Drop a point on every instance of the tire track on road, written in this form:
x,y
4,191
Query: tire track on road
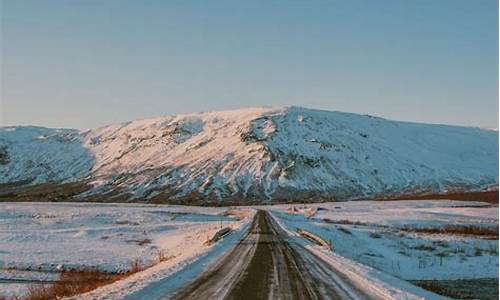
x,y
267,264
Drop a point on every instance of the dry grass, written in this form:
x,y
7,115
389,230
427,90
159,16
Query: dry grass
x,y
163,256
437,288
75,282
485,288
51,192
72,283
484,196
136,266
482,231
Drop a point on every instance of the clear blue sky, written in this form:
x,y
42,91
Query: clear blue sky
x,y
87,63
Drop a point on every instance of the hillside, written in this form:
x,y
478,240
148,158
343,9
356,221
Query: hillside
x,y
247,155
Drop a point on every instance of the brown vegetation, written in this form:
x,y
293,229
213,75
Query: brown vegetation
x,y
484,196
486,288
164,256
136,266
75,282
70,283
52,192
24,191
482,231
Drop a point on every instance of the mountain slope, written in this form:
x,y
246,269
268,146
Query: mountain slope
x,y
254,154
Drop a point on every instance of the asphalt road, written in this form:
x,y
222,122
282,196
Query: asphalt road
x,y
268,264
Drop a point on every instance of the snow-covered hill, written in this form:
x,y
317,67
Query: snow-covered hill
x,y
255,154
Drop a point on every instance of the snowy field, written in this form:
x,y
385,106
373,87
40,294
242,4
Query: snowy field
x,y
381,235
40,239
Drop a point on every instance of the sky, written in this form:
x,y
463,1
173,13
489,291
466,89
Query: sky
x,y
85,63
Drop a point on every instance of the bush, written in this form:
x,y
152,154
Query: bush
x,y
136,266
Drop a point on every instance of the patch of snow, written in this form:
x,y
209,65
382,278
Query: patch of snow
x,y
369,232
47,238
374,282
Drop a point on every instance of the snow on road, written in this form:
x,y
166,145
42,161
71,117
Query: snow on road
x,y
274,263
175,278
266,264
377,284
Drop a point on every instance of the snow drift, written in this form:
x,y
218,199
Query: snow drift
x,y
252,155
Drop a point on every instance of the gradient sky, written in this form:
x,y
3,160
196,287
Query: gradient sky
x,y
82,64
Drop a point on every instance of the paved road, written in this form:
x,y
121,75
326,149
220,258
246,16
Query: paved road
x,y
267,264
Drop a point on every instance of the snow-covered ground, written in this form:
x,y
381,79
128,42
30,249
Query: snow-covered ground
x,y
374,282
39,239
370,247
370,232
257,153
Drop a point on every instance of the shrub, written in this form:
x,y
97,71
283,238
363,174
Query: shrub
x,y
163,256
136,266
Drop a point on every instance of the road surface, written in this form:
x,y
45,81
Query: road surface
x,y
268,264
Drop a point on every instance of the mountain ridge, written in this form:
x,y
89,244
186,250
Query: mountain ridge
x,y
261,154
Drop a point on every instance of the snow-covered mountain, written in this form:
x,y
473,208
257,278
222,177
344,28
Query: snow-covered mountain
x,y
255,154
